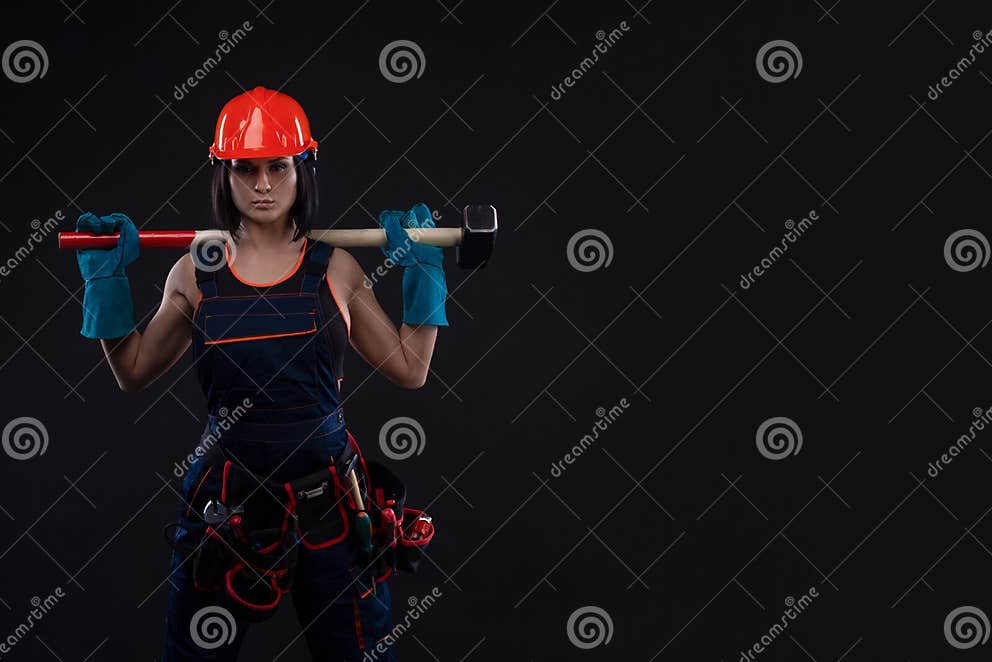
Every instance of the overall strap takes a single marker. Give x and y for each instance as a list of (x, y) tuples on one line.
[(207, 282), (315, 265)]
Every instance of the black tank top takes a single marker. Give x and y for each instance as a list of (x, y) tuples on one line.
[(336, 329)]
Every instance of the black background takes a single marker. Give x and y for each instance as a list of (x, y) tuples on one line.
[(673, 522)]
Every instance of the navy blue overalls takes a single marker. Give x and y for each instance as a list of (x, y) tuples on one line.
[(270, 358)]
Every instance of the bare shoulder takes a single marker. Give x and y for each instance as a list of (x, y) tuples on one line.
[(345, 272), (182, 280)]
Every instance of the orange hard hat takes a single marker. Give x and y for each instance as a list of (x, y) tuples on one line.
[(259, 124)]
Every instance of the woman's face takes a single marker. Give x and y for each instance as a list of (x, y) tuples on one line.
[(263, 190)]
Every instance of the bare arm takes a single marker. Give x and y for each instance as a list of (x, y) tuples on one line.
[(138, 359), (403, 355)]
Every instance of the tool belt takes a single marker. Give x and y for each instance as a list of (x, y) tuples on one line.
[(400, 535), (255, 527)]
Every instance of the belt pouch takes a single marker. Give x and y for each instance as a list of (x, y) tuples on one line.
[(324, 508), (385, 507), (410, 550)]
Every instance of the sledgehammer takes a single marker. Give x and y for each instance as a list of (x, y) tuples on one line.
[(473, 241)]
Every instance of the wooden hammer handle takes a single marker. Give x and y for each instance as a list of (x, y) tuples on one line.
[(356, 493)]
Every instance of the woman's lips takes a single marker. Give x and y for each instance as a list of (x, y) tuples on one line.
[(263, 204)]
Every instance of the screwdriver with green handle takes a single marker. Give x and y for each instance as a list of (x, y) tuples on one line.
[(363, 524)]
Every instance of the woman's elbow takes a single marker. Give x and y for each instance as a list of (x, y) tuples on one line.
[(130, 385), (411, 381)]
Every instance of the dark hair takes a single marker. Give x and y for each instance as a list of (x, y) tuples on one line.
[(304, 211)]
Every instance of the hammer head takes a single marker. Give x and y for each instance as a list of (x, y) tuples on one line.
[(478, 236)]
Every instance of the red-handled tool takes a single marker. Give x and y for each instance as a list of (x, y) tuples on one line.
[(185, 238), (389, 522), (147, 239), (473, 241), (421, 527)]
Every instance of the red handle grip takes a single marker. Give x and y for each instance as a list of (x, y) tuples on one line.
[(147, 239)]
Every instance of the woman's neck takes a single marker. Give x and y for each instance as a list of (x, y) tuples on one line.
[(266, 236)]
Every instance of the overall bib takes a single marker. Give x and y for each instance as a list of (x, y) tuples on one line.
[(269, 360)]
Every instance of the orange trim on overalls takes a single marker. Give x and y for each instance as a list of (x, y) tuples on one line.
[(358, 624), (274, 335), (230, 266)]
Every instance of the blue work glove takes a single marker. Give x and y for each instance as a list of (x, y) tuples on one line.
[(107, 308), (424, 287)]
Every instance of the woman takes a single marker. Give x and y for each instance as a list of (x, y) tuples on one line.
[(269, 326)]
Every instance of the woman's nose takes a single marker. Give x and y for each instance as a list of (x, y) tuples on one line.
[(262, 182)]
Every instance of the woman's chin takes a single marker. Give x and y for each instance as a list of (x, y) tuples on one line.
[(264, 216)]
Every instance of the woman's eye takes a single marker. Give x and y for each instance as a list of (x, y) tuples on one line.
[(279, 166)]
